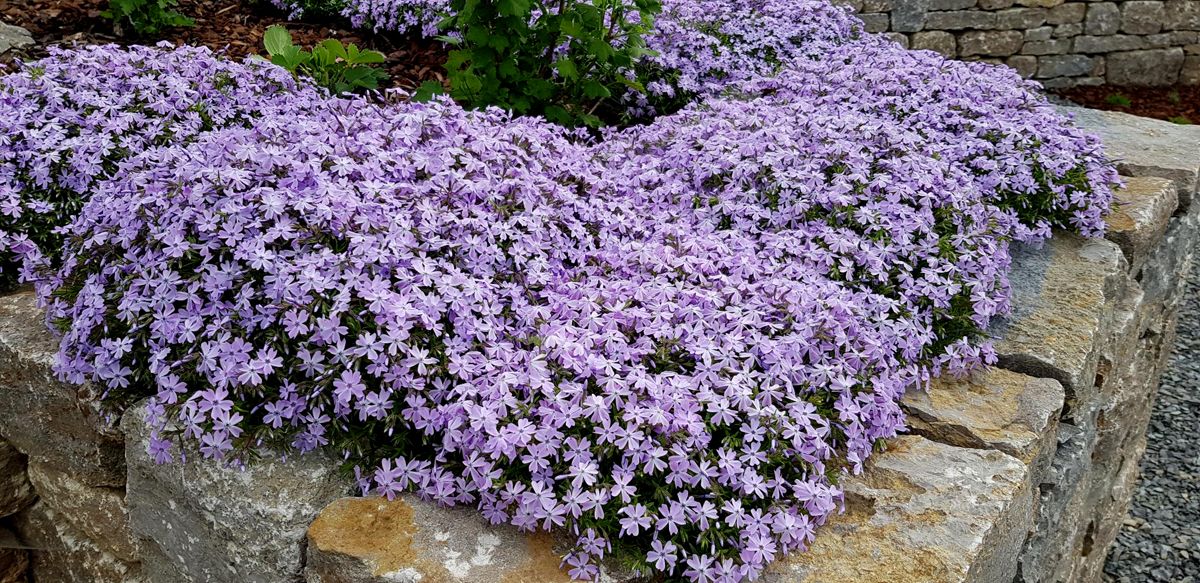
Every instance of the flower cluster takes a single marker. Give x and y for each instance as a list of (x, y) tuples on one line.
[(669, 342), (71, 119)]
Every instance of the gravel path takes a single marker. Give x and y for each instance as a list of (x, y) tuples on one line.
[(1160, 542)]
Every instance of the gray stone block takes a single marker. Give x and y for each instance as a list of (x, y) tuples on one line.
[(1142, 17), (1041, 33), (908, 15), (1102, 18), (1025, 65), (960, 20), (219, 524), (53, 423), (98, 513), (1020, 18), (1058, 46), (1069, 13), (1147, 147), (1108, 44), (1154, 67), (950, 4), (1181, 15), (65, 554), (1068, 30), (13, 37), (935, 40), (1064, 66), (991, 43), (874, 22)]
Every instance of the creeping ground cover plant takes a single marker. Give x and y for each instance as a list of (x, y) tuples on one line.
[(670, 340)]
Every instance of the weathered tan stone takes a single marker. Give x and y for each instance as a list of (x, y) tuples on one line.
[(991, 409), (97, 512), (15, 491), (1060, 318), (373, 540), (922, 511), (1140, 215), (219, 524), (51, 422), (65, 554)]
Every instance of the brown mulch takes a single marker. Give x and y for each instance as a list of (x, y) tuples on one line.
[(233, 26), (1179, 104)]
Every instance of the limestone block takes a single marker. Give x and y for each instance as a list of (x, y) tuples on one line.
[(372, 540), (898, 38), (1142, 16), (1141, 213), (66, 554), (922, 511), (1153, 67), (1147, 147), (991, 409), (995, 4), (98, 513), (1190, 73), (1061, 295), (217, 524), (15, 491), (874, 22), (992, 43), (1040, 3), (51, 422), (1102, 18)]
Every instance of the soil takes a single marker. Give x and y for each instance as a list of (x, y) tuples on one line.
[(233, 26), (1179, 104)]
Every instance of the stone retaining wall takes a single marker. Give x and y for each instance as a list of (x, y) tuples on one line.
[(1061, 43), (1022, 473)]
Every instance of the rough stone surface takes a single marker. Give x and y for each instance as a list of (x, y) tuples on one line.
[(15, 491), (1181, 15), (14, 562), (936, 41), (1140, 216), (51, 422), (67, 555), (1102, 18), (13, 37), (922, 511), (1064, 66), (1147, 147), (1025, 65), (1108, 44), (98, 513), (993, 43), (992, 409), (1154, 67), (959, 20), (1142, 17), (1059, 297), (410, 540), (218, 524), (1068, 13)]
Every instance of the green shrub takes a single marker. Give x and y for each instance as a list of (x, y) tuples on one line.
[(562, 59), (145, 17), (330, 64)]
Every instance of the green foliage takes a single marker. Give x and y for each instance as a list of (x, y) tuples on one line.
[(562, 59), (1174, 97), (145, 17), (1180, 119), (330, 64), (1118, 100)]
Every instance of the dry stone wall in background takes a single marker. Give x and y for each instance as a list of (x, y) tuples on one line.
[(1020, 473), (1060, 43)]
